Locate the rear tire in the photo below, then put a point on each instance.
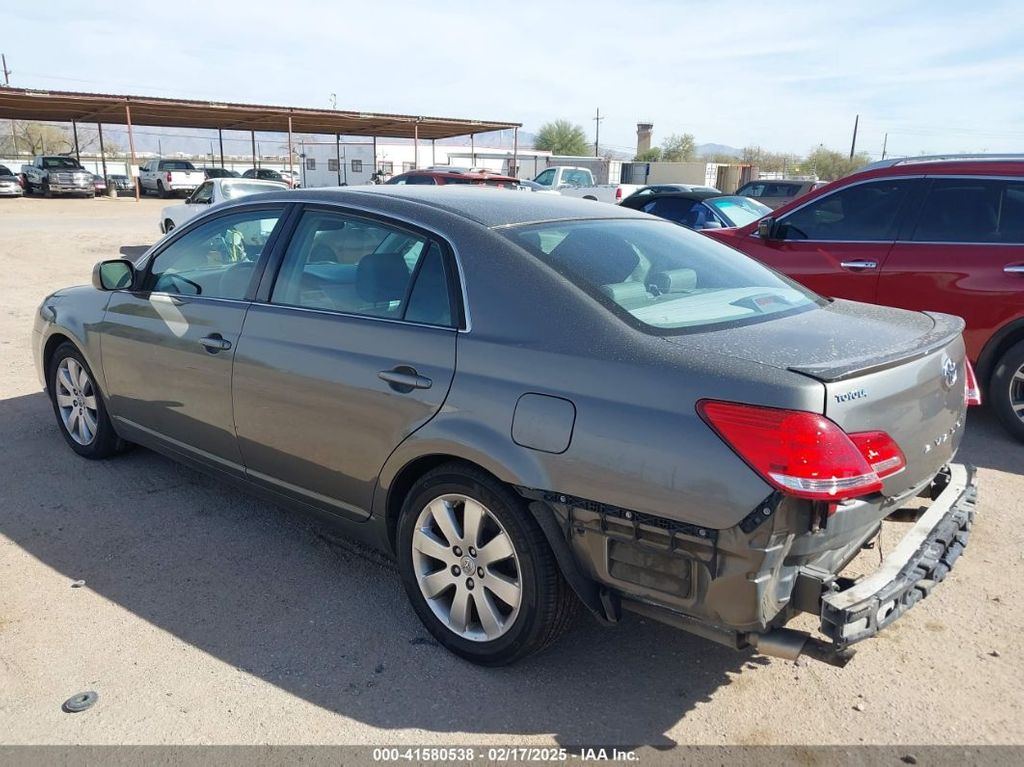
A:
(529, 604)
(1006, 390)
(78, 405)
(161, 192)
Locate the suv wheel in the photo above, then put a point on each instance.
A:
(478, 569)
(1006, 390)
(78, 405)
(162, 193)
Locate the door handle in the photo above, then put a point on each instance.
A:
(404, 379)
(214, 343)
(859, 264)
(1014, 269)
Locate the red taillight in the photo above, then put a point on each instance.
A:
(618, 193)
(972, 394)
(804, 454)
(168, 177)
(880, 451)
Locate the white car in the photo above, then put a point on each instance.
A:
(293, 176)
(210, 193)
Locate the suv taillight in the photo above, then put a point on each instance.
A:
(804, 454)
(972, 394)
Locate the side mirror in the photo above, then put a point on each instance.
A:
(116, 274)
(768, 229)
(712, 225)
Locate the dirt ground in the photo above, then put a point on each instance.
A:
(210, 617)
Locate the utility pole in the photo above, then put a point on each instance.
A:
(853, 145)
(7, 72)
(597, 131)
(885, 142)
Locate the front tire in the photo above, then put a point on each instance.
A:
(477, 568)
(78, 405)
(1006, 390)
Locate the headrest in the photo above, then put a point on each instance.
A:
(382, 277)
(620, 292)
(675, 280)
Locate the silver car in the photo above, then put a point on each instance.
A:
(535, 403)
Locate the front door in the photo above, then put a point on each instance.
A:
(353, 351)
(836, 244)
(167, 348)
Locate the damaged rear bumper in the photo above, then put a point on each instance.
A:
(921, 559)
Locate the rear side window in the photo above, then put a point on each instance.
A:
(972, 210)
(662, 277)
(856, 213)
(351, 265)
(689, 213)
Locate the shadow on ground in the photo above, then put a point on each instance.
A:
(262, 590)
(988, 445)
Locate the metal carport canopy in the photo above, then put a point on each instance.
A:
(68, 106)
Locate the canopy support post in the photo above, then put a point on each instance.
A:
(103, 154)
(220, 139)
(131, 147)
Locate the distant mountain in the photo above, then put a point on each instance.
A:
(706, 150)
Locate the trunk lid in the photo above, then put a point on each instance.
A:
(882, 369)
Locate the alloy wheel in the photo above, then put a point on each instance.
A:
(76, 401)
(1017, 393)
(467, 568)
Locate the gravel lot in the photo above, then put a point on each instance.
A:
(211, 617)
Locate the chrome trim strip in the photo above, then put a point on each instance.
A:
(336, 313)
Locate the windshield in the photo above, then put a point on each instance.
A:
(60, 162)
(238, 189)
(662, 276)
(739, 211)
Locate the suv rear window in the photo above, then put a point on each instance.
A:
(660, 276)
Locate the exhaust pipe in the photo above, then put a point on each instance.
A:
(790, 645)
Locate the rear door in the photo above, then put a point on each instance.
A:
(167, 348)
(350, 350)
(837, 244)
(963, 255)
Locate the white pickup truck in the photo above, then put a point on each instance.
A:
(579, 182)
(169, 177)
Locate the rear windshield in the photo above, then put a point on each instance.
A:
(176, 165)
(661, 276)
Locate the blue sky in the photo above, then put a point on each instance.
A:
(937, 76)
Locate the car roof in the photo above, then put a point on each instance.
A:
(488, 206)
(464, 174)
(696, 194)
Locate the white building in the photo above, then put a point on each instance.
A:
(352, 162)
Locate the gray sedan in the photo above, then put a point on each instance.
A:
(535, 404)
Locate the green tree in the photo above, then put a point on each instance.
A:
(774, 162)
(679, 148)
(830, 165)
(651, 155)
(31, 138)
(562, 137)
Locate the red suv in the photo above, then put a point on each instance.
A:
(443, 177)
(942, 234)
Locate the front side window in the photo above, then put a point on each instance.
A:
(972, 210)
(346, 264)
(867, 212)
(215, 259)
(202, 194)
(660, 276)
(547, 178)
